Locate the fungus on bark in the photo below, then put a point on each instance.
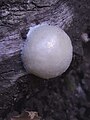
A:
(47, 51)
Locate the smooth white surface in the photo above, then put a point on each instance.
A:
(47, 51)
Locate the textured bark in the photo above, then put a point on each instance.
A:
(16, 17)
(17, 88)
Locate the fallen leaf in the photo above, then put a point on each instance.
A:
(27, 115)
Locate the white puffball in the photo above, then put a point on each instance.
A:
(47, 52)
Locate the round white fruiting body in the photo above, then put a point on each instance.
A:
(47, 52)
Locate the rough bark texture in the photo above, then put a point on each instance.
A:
(66, 97)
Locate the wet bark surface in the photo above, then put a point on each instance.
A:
(66, 97)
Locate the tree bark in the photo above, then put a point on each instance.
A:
(16, 17)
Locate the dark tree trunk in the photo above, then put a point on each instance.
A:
(66, 97)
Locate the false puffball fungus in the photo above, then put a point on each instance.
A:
(47, 52)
